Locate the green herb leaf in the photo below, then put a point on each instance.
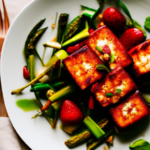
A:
(137, 25)
(98, 48)
(139, 144)
(118, 91)
(112, 58)
(109, 94)
(125, 9)
(147, 23)
(102, 67)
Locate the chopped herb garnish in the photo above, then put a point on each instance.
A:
(118, 91)
(109, 94)
(98, 48)
(102, 67)
(112, 58)
(147, 23)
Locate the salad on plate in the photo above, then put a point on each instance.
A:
(96, 77)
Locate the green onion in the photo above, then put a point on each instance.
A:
(88, 12)
(93, 127)
(109, 94)
(63, 93)
(118, 91)
(81, 35)
(32, 67)
(102, 67)
(61, 54)
(112, 58)
(98, 48)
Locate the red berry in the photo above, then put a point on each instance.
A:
(114, 19)
(91, 30)
(131, 37)
(26, 73)
(70, 113)
(106, 49)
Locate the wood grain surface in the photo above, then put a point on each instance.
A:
(3, 112)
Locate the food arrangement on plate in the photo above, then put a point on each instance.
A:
(95, 77)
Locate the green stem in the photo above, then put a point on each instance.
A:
(43, 112)
(63, 93)
(99, 141)
(59, 55)
(81, 35)
(81, 137)
(32, 67)
(93, 127)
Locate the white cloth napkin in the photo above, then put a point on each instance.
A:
(9, 140)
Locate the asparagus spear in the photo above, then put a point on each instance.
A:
(96, 143)
(77, 139)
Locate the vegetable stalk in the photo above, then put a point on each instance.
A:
(96, 143)
(63, 93)
(59, 55)
(93, 127)
(79, 138)
(81, 35)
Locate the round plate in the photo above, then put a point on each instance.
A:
(37, 133)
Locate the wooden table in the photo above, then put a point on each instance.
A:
(3, 112)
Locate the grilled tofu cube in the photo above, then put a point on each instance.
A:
(130, 111)
(141, 58)
(116, 85)
(104, 36)
(82, 67)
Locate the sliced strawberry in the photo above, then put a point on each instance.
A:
(70, 113)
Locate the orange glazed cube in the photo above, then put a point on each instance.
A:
(82, 67)
(104, 36)
(129, 111)
(115, 86)
(141, 58)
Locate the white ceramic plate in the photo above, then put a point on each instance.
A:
(37, 133)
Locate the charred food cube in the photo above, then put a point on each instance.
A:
(130, 111)
(116, 85)
(82, 67)
(141, 58)
(104, 38)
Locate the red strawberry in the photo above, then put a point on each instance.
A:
(131, 37)
(114, 19)
(70, 113)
